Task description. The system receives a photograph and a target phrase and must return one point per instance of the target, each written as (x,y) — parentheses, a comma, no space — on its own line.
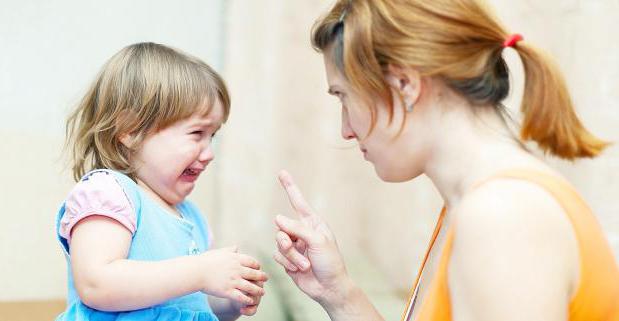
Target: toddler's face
(171,160)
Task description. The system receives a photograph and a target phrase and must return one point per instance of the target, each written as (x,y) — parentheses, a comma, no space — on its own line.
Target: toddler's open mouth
(191,174)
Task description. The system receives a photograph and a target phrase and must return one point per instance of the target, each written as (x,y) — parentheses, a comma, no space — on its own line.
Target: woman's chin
(393,175)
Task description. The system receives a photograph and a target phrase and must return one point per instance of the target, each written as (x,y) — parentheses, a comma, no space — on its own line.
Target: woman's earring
(410,107)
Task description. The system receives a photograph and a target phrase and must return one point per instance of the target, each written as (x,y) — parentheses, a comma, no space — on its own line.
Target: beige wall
(281,118)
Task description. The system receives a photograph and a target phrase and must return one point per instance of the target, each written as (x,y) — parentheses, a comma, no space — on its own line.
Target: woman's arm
(515,256)
(307,249)
(354,305)
(105,280)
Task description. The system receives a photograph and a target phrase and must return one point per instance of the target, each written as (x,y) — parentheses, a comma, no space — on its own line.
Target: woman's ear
(407,82)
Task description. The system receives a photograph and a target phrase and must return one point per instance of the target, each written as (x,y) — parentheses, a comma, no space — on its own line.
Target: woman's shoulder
(515,198)
(512,205)
(512,236)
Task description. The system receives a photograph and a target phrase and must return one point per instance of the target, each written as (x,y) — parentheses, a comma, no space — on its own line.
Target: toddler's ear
(126,139)
(124,121)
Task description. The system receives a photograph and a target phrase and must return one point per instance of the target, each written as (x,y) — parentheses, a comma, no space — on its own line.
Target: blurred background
(281,118)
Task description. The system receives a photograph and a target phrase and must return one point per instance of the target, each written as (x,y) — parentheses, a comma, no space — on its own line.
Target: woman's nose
(347,132)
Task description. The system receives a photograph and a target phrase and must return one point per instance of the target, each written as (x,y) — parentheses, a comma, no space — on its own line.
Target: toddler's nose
(206,155)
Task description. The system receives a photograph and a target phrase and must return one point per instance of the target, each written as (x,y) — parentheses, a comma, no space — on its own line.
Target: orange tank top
(597,296)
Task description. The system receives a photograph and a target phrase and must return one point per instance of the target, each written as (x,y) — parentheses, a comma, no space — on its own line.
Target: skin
(515,256)
(106,280)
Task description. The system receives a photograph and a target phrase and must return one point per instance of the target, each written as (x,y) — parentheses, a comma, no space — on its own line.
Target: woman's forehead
(335,78)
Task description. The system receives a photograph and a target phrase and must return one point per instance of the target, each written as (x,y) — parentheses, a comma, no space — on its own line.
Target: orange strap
(406,316)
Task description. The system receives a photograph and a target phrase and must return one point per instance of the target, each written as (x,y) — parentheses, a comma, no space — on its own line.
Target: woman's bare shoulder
(513,245)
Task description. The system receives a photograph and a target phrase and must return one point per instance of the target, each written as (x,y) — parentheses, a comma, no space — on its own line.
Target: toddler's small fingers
(250,288)
(259,283)
(249,310)
(249,261)
(253,275)
(240,297)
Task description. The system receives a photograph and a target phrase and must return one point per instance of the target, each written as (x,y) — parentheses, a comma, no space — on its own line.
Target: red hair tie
(512,40)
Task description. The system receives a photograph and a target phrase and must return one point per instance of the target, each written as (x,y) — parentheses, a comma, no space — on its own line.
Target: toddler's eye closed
(198,133)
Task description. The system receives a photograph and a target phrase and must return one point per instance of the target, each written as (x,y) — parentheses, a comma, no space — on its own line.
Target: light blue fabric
(158,236)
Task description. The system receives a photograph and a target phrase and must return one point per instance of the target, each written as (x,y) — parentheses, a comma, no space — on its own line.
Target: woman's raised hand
(307,249)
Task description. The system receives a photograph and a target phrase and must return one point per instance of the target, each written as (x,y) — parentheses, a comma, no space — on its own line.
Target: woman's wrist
(342,299)
(349,303)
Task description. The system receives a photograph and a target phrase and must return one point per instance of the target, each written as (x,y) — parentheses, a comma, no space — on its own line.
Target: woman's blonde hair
(141,89)
(460,42)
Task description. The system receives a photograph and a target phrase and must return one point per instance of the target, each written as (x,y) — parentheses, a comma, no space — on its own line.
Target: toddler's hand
(233,276)
(249,310)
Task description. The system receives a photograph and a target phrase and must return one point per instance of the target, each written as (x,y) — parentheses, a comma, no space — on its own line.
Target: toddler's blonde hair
(141,89)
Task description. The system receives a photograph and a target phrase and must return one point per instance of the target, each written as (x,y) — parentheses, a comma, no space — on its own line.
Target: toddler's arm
(105,280)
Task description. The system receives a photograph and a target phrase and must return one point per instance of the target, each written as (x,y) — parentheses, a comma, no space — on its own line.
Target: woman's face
(396,156)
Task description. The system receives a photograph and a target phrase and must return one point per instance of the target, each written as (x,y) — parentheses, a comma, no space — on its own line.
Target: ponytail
(460,42)
(549,115)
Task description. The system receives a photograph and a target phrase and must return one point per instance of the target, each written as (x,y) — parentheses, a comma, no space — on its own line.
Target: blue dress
(158,236)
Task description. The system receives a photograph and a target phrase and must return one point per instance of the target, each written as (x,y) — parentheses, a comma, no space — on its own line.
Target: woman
(421,84)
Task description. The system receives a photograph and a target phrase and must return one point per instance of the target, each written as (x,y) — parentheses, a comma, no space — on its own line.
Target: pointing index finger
(295,197)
